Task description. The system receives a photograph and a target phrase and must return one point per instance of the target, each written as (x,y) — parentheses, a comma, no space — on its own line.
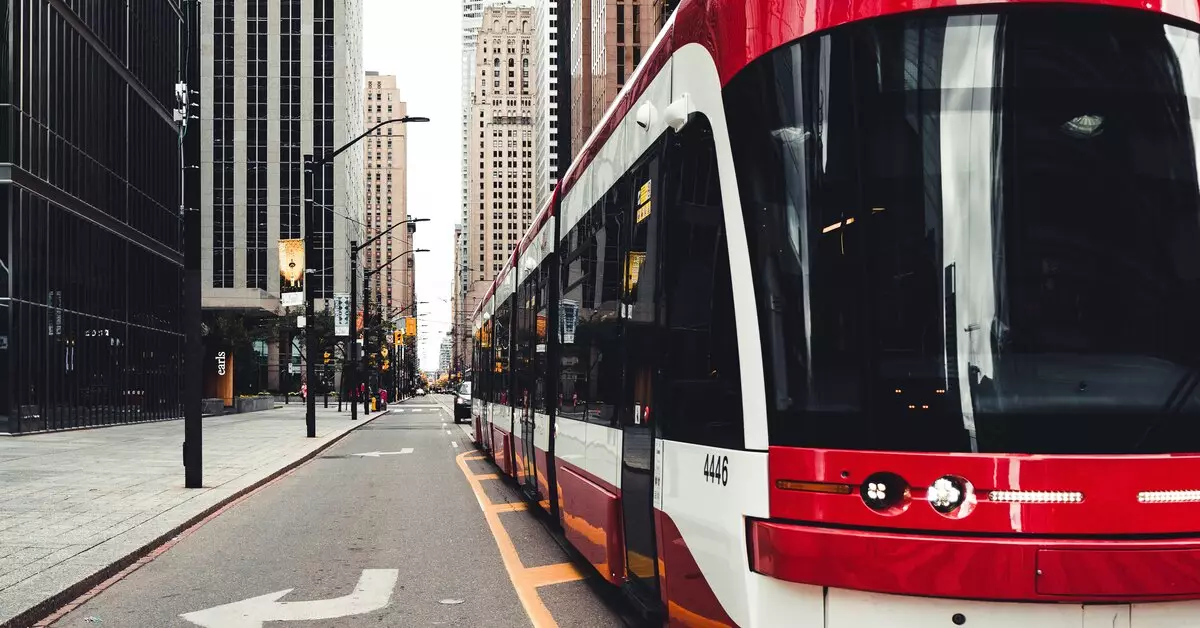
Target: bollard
(287,398)
(327,400)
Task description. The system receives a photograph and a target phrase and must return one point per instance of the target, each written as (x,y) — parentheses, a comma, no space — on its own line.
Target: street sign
(341,314)
(373,592)
(301,321)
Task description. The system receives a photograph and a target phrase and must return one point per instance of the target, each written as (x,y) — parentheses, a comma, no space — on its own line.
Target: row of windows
(290,175)
(256,147)
(645,313)
(223,160)
(323,116)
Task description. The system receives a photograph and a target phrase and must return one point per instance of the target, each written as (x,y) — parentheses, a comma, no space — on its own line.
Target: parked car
(462,403)
(420,392)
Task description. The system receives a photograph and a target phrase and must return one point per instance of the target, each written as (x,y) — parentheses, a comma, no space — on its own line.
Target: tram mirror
(679,111)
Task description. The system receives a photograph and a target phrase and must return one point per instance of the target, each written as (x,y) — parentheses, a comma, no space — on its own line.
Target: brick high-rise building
(385,195)
(608,39)
(500,189)
(581,73)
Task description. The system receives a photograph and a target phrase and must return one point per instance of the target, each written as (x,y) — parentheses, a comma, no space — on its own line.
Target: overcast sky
(419,42)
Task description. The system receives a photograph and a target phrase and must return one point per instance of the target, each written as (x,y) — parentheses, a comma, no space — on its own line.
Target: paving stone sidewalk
(73,504)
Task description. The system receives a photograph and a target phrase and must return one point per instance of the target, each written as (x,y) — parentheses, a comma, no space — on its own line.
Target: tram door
(528,454)
(638,321)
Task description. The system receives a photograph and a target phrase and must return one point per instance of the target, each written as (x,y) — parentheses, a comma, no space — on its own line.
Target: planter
(254,404)
(212,406)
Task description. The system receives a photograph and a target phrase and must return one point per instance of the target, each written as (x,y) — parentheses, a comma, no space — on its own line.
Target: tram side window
(523,366)
(541,318)
(484,364)
(477,385)
(700,400)
(591,369)
(574,356)
(501,373)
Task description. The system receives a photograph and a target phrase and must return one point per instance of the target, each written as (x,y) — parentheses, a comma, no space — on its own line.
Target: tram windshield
(978,232)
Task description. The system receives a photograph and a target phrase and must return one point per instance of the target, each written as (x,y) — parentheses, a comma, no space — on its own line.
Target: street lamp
(367,283)
(310,336)
(355,247)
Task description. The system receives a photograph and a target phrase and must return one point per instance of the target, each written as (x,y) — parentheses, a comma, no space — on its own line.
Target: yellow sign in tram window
(633,268)
(643,210)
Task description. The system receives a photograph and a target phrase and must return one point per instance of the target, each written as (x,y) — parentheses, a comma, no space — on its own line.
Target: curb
(50,605)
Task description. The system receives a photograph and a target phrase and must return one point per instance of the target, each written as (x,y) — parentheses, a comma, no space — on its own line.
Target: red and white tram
(874,313)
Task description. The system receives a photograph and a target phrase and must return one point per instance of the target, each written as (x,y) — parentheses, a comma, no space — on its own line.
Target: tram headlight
(885,492)
(949,494)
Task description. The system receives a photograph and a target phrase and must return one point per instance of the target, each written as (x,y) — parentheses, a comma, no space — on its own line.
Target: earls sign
(218,377)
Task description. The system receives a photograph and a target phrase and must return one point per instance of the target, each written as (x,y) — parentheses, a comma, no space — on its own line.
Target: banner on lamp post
(341,314)
(291,272)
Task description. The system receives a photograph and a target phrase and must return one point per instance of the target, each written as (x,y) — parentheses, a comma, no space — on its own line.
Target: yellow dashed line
(486,476)
(510,507)
(525,580)
(553,574)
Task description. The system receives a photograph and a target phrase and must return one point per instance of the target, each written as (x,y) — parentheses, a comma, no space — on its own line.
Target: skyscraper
(386,196)
(545,110)
(581,73)
(91,257)
(609,39)
(501,179)
(285,75)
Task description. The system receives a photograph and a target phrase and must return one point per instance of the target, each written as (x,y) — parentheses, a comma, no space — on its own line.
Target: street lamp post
(352,354)
(310,335)
(367,290)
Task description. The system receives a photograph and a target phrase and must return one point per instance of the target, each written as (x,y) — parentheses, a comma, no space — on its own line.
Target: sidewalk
(77,506)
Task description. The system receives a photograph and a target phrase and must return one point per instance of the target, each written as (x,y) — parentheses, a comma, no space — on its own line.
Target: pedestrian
(304,392)
(383,398)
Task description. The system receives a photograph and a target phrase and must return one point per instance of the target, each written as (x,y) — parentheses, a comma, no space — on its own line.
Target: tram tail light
(1036,497)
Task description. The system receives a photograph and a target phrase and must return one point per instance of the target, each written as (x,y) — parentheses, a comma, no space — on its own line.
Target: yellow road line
(509,507)
(538,614)
(486,476)
(553,574)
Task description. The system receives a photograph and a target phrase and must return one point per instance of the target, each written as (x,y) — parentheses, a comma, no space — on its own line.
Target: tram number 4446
(716,469)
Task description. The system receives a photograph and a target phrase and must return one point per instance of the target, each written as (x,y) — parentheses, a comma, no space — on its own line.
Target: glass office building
(91,262)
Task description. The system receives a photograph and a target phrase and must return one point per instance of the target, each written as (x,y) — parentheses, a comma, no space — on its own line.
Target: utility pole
(189,163)
(310,335)
(352,349)
(310,328)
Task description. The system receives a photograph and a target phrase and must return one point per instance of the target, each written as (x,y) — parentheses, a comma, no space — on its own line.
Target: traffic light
(386,365)
(397,337)
(327,356)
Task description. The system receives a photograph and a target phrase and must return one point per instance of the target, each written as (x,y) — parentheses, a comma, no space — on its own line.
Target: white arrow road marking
(454,442)
(373,592)
(376,454)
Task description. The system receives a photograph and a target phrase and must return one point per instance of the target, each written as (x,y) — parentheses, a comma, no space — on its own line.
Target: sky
(419,41)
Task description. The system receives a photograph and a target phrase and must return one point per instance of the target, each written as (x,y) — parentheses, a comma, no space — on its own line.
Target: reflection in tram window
(993,251)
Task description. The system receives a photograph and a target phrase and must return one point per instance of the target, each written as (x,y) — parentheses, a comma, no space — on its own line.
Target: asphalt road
(400,539)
